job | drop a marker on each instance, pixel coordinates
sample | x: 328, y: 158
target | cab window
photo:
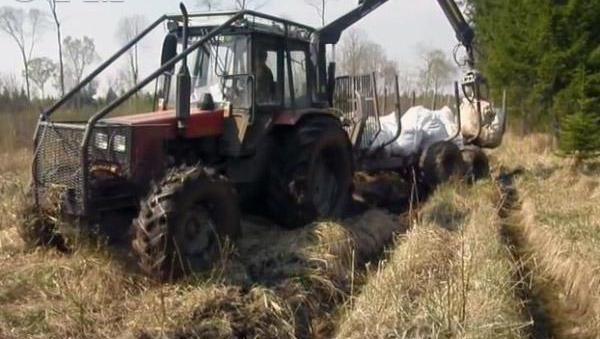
x: 267, y: 65
x: 299, y: 74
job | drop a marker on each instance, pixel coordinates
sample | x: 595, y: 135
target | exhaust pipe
x: 184, y: 82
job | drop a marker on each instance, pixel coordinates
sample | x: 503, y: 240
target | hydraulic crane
x: 331, y: 33
x: 472, y: 80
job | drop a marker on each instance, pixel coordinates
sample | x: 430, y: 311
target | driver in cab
x: 265, y: 84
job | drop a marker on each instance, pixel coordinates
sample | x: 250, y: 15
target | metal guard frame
x: 91, y: 123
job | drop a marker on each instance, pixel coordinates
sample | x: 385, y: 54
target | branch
x: 7, y: 26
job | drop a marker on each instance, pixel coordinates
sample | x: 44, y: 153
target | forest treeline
x: 546, y: 53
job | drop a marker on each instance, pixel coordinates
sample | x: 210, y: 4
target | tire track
x: 535, y: 304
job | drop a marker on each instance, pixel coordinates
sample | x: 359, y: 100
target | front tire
x: 311, y: 175
x: 184, y: 222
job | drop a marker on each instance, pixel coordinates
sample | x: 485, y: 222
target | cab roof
x: 251, y: 21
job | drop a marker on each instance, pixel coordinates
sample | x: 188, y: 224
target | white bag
x: 492, y: 124
x: 421, y: 127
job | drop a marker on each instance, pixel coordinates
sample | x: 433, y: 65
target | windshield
x: 220, y: 68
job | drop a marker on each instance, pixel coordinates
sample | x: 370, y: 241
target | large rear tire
x: 311, y: 175
x: 477, y: 164
x: 184, y: 222
x: 440, y: 162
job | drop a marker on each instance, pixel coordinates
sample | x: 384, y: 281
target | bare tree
x: 249, y: 4
x: 40, y: 71
x: 23, y: 29
x: 352, y: 51
x: 208, y: 5
x: 127, y: 29
x: 375, y: 58
x: 389, y: 70
x: 79, y: 54
x: 321, y: 7
x: 9, y: 83
x: 61, y: 66
x: 436, y: 71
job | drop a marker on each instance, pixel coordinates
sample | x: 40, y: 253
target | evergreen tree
x: 580, y: 133
x: 547, y: 53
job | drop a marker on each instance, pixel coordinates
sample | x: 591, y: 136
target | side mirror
x: 169, y: 50
x: 331, y: 82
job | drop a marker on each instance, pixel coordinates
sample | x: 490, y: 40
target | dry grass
x: 557, y: 227
x: 450, y: 276
x: 14, y: 178
x: 275, y: 283
x: 16, y: 130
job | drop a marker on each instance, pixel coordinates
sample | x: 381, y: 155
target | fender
x: 293, y: 117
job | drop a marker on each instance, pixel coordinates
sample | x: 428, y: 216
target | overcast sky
x: 400, y: 26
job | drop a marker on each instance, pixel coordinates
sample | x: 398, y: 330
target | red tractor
x: 243, y: 117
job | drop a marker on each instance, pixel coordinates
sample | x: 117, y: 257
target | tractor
x: 244, y: 117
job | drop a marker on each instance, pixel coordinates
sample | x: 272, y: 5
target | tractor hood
x: 200, y: 124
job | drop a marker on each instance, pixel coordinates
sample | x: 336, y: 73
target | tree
x: 389, y: 72
x: 352, y: 52
x: 436, y: 71
x: 61, y: 66
x: 111, y: 95
x: 208, y: 5
x: 579, y: 132
x: 321, y: 7
x: 546, y: 53
x: 10, y: 83
x: 23, y: 29
x: 127, y: 29
x: 40, y: 71
x: 359, y: 55
x: 79, y: 53
x: 249, y: 4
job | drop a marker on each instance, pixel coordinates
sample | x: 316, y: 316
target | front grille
x: 57, y: 170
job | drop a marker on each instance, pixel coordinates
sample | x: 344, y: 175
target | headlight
x: 119, y: 143
x: 101, y: 141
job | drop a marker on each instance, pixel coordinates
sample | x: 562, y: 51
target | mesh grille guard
x: 57, y: 166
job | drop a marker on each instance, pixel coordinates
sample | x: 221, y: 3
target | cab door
x: 297, y: 67
x: 267, y: 60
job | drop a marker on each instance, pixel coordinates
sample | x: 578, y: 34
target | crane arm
x: 331, y: 33
x: 464, y: 32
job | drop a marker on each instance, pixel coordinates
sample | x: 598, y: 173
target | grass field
x: 510, y: 258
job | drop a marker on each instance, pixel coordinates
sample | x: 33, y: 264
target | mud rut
x: 534, y: 302
x: 280, y: 261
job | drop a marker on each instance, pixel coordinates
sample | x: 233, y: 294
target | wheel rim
x: 326, y: 187
x: 197, y: 238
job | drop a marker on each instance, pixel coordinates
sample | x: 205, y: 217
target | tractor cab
x: 257, y: 69
x: 226, y: 81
